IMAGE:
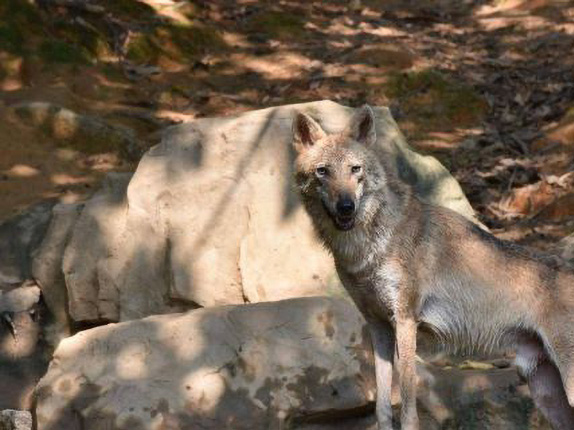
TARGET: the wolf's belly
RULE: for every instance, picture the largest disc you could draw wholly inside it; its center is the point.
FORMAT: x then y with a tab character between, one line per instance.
467	317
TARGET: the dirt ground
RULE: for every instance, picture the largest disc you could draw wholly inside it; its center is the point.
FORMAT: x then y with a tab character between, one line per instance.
487	87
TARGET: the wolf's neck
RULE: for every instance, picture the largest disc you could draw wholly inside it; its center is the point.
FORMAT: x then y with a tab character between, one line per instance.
369	237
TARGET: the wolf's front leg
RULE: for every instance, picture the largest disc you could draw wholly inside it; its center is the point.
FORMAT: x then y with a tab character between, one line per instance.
383	338
406	339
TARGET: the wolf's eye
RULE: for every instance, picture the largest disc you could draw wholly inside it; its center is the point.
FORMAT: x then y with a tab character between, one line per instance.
321	171
356	169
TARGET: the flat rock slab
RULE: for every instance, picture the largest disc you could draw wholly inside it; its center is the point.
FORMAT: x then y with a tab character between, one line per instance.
302	364
233	367
211	217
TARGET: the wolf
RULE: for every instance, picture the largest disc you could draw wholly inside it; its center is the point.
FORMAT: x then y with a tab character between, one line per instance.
414	269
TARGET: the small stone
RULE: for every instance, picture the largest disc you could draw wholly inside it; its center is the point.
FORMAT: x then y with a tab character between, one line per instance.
501	363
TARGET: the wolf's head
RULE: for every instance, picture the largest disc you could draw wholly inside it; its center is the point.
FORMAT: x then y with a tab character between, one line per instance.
338	174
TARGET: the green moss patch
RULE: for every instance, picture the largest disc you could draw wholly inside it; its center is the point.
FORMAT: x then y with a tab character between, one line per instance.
196	39
435	101
131	9
180	43
25	30
59	51
87	39
279	25
19	11
11	39
16	17
143	49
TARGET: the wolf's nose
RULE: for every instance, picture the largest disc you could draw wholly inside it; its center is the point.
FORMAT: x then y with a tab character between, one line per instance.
345	207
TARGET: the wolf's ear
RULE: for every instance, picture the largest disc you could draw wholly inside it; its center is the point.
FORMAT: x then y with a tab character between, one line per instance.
306	131
362	126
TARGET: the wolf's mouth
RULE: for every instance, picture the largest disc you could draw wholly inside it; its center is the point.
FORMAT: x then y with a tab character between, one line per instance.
344	223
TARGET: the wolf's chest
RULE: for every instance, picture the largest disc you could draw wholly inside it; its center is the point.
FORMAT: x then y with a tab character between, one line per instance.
360	261
373	285
358	252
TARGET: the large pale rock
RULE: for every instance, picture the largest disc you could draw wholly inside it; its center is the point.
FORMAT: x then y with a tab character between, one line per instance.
210	217
234	367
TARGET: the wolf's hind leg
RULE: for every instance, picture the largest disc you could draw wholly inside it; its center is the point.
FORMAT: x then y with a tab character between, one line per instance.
559	342
382	335
544	382
565	362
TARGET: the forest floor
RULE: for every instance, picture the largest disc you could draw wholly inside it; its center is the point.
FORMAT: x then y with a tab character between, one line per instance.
487	87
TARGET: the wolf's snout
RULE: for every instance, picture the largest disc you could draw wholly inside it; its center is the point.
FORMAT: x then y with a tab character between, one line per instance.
345	207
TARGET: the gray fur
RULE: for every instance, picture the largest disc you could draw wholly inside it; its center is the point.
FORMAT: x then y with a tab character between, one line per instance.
409	265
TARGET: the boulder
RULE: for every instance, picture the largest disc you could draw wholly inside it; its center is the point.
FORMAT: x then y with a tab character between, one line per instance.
19	238
210	217
22	354
87	265
254	366
15	420
48	272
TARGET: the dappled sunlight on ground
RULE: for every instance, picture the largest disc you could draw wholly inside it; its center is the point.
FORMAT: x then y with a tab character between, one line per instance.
34	168
473	83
